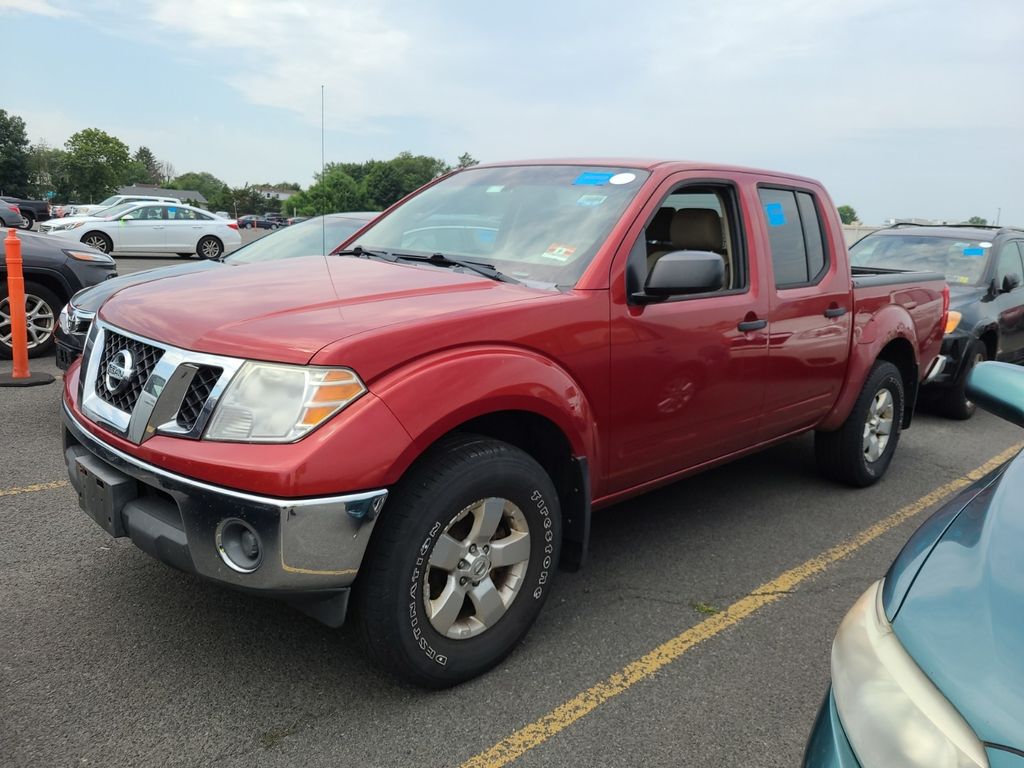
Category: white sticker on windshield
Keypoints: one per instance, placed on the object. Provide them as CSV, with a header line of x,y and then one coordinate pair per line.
x,y
622,178
985,245
495,189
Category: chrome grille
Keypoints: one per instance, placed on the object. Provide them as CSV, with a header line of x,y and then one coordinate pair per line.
x,y
169,390
198,393
145,357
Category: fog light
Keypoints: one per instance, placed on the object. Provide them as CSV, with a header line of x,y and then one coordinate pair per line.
x,y
239,545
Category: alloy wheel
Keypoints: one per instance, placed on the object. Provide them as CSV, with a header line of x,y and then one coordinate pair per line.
x,y
477,568
39,321
879,425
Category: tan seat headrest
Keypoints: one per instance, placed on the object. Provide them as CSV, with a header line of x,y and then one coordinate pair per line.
x,y
696,229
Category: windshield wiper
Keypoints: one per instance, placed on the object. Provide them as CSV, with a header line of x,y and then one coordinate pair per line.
x,y
364,253
487,270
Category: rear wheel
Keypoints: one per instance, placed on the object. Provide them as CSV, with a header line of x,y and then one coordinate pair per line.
x,y
954,402
42,307
460,563
859,452
99,241
27,220
210,248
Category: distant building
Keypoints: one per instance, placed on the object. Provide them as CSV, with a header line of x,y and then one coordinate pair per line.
x,y
924,222
275,193
185,195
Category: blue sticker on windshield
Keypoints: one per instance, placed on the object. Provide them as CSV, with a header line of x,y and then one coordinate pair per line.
x,y
974,251
486,236
592,179
775,214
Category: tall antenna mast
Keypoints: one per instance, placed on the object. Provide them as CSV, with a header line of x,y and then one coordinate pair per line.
x,y
323,165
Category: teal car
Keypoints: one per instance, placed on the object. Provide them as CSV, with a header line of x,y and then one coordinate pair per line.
x,y
928,665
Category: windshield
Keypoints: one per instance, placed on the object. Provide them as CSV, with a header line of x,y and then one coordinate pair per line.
x,y
961,260
314,237
117,210
535,223
109,202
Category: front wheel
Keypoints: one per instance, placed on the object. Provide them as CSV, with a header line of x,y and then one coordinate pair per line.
x,y
42,307
859,452
954,403
99,241
27,220
460,563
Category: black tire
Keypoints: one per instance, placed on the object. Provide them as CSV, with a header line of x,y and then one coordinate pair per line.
x,y
27,220
248,225
843,455
49,306
210,247
99,241
954,402
445,494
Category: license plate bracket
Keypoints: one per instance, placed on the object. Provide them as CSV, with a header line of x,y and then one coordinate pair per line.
x,y
103,491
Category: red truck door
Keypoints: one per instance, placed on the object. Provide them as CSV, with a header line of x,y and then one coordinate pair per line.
x,y
811,307
686,381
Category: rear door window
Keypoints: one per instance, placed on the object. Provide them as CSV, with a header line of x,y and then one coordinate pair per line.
x,y
799,255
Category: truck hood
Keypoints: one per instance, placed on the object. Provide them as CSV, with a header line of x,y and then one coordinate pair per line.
x,y
90,299
961,620
285,311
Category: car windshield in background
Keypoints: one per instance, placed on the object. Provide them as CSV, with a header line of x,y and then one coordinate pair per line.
x,y
310,238
117,210
961,260
539,224
109,201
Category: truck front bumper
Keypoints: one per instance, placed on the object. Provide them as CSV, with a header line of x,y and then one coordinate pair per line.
x,y
305,551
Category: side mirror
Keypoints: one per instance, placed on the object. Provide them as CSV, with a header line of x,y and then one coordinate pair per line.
x,y
680,273
1010,282
999,389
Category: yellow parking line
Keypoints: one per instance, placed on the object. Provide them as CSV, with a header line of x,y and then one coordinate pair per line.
x,y
33,488
539,731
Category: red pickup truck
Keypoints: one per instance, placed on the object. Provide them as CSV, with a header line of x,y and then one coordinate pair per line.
x,y
424,419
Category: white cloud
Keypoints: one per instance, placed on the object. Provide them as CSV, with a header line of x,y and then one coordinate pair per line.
x,y
38,7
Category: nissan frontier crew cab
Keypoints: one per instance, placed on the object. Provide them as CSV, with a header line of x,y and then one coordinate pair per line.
x,y
421,423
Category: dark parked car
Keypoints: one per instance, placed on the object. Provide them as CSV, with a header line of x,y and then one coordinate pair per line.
x,y
54,271
10,214
251,221
984,267
303,240
928,666
31,210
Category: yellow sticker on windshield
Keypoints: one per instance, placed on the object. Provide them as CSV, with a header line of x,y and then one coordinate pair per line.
x,y
958,279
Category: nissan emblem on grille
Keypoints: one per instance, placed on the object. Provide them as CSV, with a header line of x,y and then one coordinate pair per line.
x,y
118,375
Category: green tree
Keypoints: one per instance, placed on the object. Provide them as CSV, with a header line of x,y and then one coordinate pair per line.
x,y
977,221
47,173
847,214
97,163
205,183
384,185
466,160
334,192
14,155
149,166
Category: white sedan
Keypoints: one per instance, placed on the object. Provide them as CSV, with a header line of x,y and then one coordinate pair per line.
x,y
151,228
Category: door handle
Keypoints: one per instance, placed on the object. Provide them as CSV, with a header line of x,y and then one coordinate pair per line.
x,y
835,311
752,325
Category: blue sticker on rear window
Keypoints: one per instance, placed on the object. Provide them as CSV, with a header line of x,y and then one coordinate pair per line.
x,y
775,214
974,251
592,178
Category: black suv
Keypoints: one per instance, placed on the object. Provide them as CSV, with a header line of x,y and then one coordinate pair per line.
x,y
984,267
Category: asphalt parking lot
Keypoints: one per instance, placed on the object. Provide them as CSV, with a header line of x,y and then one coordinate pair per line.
x,y
108,657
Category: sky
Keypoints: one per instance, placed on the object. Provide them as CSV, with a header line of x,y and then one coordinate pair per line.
x,y
903,108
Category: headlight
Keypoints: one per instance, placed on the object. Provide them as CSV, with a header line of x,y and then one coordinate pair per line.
x,y
67,225
64,322
891,712
952,321
89,256
270,403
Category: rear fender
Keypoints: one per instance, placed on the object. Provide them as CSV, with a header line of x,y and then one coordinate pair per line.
x,y
436,394
889,324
